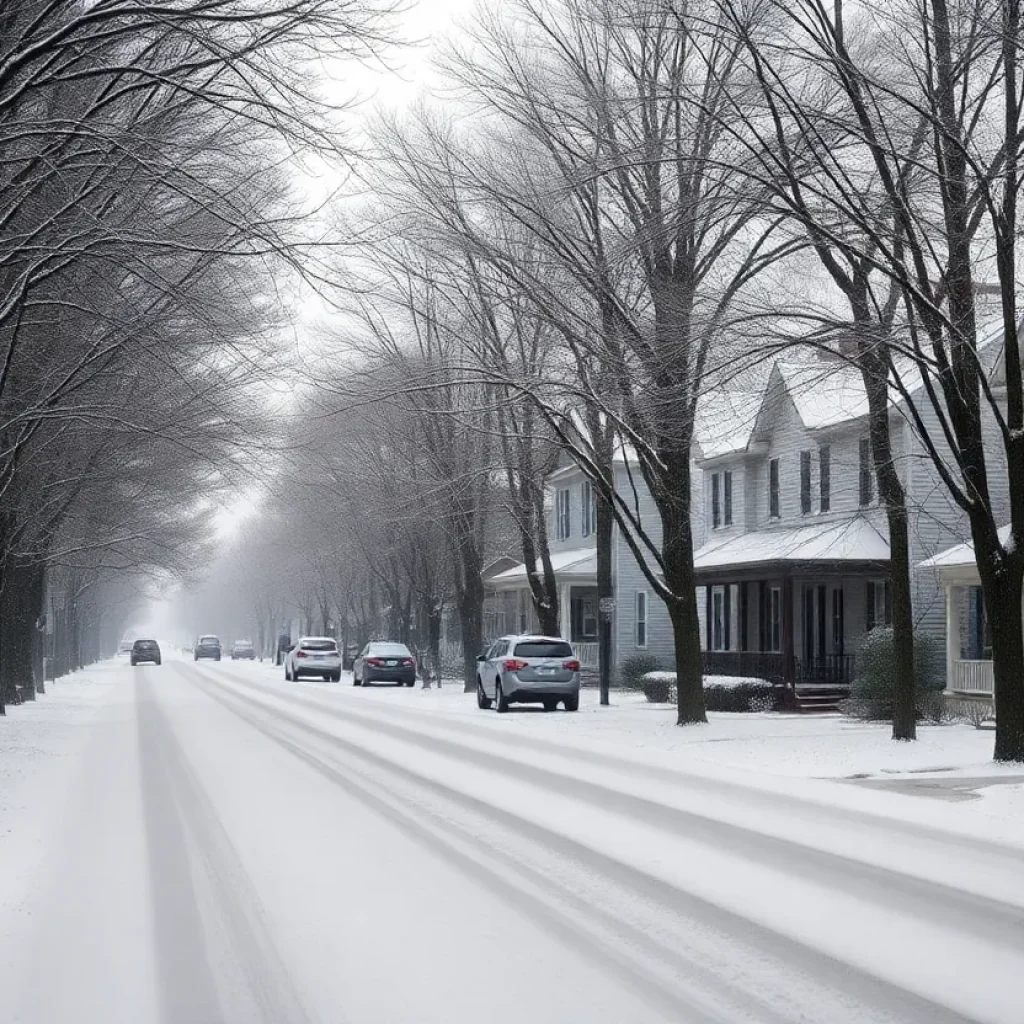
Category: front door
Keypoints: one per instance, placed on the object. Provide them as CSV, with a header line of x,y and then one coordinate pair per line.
x,y
813,622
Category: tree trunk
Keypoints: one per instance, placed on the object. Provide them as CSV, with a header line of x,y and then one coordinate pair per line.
x,y
894,498
677,555
1002,590
471,614
605,595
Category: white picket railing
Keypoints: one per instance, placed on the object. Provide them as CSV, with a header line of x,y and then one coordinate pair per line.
x,y
972,677
586,654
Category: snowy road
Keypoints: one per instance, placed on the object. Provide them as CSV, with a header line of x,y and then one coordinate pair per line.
x,y
237,849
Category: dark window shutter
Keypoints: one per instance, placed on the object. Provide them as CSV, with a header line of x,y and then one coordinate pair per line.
x,y
727,617
805,483
727,496
825,478
870,623
708,620
716,501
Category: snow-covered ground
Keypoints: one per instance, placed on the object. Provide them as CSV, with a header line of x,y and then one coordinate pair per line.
x,y
210,843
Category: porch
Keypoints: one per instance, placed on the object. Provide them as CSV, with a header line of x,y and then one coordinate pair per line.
x,y
793,605
968,633
508,605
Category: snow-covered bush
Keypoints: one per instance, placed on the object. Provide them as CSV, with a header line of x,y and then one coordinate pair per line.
x,y
739,695
973,710
871,694
721,693
659,687
633,669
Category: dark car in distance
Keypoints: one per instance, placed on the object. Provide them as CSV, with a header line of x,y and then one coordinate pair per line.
x,y
243,649
207,646
384,662
145,651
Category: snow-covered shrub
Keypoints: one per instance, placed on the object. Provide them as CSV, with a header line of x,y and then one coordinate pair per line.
x,y
871,694
739,695
659,687
973,710
633,669
721,693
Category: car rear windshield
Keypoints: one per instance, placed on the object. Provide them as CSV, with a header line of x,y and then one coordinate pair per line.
x,y
391,649
145,643
209,640
319,645
543,649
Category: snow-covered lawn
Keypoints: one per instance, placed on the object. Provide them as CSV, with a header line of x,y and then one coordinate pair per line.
x,y
800,746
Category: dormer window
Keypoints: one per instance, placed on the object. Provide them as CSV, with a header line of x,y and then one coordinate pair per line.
x,y
805,483
721,499
562,514
589,510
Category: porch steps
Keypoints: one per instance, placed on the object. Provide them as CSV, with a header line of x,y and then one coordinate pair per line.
x,y
809,699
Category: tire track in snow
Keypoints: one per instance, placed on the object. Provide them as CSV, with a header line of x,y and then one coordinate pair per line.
x,y
994,921
183,828
698,993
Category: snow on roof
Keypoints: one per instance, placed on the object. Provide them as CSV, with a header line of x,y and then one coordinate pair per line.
x,y
725,420
960,555
578,562
850,540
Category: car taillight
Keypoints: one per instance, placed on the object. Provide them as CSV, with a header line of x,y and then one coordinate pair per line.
x,y
300,654
407,662
572,666
514,665
376,662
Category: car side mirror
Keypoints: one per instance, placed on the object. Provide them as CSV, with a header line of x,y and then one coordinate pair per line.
x,y
290,647
482,657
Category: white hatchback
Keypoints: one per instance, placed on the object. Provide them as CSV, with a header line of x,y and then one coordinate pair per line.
x,y
313,656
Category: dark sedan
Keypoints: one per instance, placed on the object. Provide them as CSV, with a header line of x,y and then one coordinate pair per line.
x,y
384,662
145,651
207,646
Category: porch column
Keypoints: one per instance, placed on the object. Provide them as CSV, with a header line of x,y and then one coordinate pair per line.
x,y
788,613
565,611
952,632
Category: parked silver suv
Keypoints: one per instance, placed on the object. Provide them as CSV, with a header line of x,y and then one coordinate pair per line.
x,y
526,669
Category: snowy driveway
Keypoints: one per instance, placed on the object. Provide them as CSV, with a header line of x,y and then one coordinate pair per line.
x,y
236,849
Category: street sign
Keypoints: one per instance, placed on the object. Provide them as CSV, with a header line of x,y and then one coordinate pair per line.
x,y
607,605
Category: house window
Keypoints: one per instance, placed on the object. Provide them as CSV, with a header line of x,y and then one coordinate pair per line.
x,y
879,604
773,488
724,606
589,517
824,479
562,514
774,631
838,630
805,483
641,618
716,501
867,484
727,497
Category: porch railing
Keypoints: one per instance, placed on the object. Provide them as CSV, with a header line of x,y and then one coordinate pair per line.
x,y
831,670
752,664
972,677
586,654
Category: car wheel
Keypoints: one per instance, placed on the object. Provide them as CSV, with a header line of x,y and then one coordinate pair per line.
x,y
133,663
217,658
500,699
355,680
196,658
287,673
550,705
336,677
572,703
157,662
482,700
412,682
